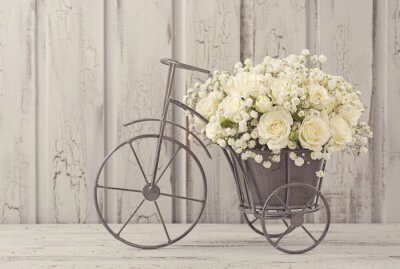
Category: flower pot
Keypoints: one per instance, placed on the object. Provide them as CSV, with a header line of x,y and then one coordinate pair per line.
x,y
261,182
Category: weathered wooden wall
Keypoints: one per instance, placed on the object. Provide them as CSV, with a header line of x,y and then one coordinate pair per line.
x,y
72,72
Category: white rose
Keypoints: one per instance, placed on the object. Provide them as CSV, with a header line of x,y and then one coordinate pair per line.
x,y
314,133
208,105
275,128
279,88
351,113
231,108
245,84
341,132
263,104
213,130
318,95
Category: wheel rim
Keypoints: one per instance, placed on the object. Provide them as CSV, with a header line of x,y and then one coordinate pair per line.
x,y
254,223
315,208
150,194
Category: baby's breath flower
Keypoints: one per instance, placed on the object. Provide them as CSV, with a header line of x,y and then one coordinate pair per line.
x,y
249,102
258,158
221,143
276,158
299,161
322,58
254,114
305,52
252,144
267,164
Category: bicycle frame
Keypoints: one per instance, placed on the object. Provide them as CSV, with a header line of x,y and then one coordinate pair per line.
x,y
173,65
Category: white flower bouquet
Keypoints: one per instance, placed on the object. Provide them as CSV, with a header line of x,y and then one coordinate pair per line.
x,y
277,104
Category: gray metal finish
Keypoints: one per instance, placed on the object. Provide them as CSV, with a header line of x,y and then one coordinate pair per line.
x,y
151,193
284,192
294,215
151,190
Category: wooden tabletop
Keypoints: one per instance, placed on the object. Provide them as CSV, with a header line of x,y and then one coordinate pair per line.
x,y
363,246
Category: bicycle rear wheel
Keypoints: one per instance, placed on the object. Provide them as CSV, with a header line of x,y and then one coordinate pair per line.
x,y
147,212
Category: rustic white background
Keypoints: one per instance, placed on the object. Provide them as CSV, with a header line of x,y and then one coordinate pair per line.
x,y
73,71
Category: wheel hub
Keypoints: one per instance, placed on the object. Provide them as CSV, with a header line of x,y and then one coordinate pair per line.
x,y
151,192
297,220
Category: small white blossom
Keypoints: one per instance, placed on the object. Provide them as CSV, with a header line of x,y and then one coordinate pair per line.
x,y
267,164
252,144
299,161
322,58
249,102
221,143
258,158
254,114
305,52
319,173
276,158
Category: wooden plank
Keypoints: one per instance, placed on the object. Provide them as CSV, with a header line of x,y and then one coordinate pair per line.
x,y
276,35
17,112
138,34
266,32
392,183
386,154
345,37
72,104
211,39
208,246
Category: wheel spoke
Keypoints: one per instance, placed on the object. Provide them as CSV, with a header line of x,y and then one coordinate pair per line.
x,y
169,163
182,197
118,189
134,212
140,165
162,221
286,224
312,237
282,202
289,229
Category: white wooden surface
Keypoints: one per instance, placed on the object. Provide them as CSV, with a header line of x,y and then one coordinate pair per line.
x,y
135,87
72,72
345,37
71,105
212,40
17,112
207,246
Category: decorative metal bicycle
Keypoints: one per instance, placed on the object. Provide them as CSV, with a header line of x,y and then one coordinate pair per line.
x,y
277,204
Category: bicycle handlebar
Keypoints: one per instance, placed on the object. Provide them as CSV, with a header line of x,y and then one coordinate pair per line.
x,y
168,61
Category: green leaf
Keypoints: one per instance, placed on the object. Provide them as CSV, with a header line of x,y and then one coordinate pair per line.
x,y
297,118
227,123
293,136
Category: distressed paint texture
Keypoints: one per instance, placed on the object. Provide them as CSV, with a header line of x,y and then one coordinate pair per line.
x,y
72,72
345,37
212,40
17,112
386,148
73,108
138,35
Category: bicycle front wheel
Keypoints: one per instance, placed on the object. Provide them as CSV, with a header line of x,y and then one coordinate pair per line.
x,y
146,213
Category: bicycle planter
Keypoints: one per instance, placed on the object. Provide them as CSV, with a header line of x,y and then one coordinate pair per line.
x,y
284,195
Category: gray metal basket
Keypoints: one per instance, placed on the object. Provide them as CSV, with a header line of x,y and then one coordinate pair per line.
x,y
261,182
